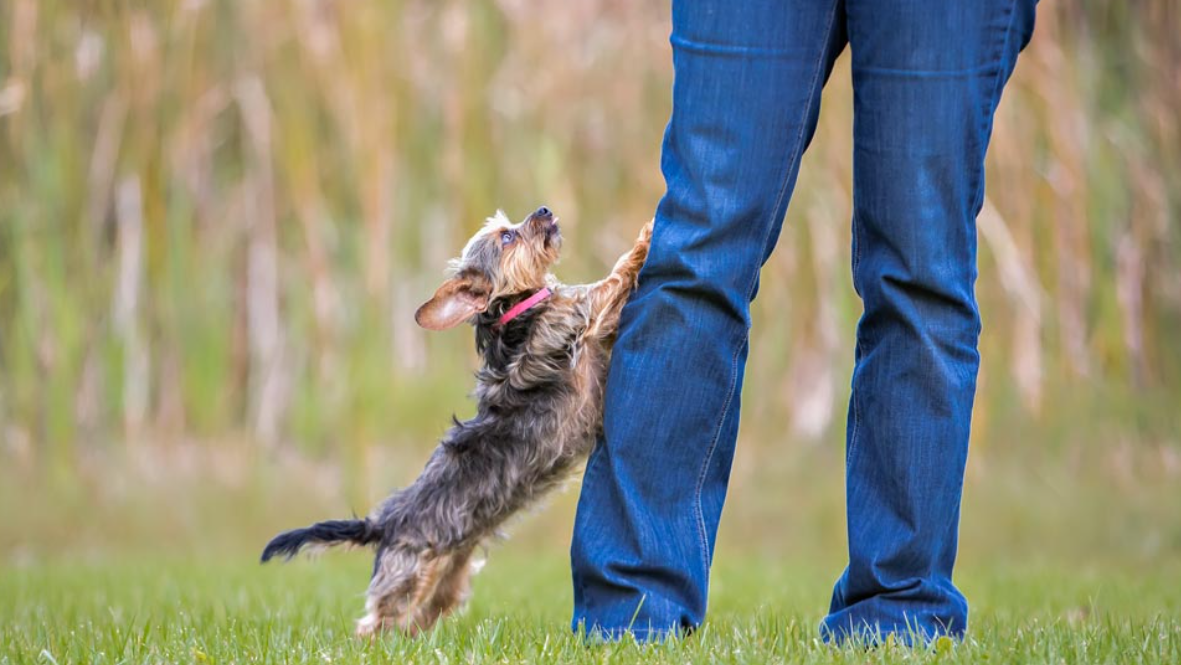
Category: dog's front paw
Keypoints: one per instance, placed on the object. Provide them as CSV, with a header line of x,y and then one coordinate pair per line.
x,y
646,232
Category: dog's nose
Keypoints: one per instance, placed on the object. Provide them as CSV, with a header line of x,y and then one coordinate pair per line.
x,y
543,213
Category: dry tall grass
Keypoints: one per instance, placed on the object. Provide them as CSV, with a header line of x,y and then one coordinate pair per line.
x,y
218,217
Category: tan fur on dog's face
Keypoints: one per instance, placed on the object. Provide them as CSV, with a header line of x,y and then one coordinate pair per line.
x,y
501,259
514,257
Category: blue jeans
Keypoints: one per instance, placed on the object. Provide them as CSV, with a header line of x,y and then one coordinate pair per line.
x,y
927,77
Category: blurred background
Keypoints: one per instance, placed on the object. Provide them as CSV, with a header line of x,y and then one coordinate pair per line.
x,y
217,218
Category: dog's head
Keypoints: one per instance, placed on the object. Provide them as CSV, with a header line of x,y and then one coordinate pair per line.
x,y
502,259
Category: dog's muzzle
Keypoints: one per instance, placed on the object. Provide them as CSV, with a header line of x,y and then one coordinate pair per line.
x,y
547,223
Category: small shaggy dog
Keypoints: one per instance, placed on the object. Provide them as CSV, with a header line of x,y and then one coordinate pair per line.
x,y
545,348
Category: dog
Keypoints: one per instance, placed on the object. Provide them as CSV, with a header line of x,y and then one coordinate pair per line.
x,y
545,348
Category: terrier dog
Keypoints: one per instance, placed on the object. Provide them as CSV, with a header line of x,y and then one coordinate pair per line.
x,y
545,348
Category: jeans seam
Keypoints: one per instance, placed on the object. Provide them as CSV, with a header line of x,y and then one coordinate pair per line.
x,y
852,445
749,293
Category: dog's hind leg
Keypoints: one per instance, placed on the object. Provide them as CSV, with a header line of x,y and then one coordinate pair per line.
x,y
403,584
412,620
452,590
396,576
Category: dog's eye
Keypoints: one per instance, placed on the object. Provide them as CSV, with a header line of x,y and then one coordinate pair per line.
x,y
507,236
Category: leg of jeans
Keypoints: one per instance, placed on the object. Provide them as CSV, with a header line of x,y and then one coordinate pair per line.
x,y
927,76
745,100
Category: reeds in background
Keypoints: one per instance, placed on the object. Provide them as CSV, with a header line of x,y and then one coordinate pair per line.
x,y
217,218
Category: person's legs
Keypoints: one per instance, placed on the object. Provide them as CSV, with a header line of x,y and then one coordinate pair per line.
x,y
927,76
745,99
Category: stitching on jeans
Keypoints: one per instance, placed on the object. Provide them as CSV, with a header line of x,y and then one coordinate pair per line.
x,y
852,445
795,153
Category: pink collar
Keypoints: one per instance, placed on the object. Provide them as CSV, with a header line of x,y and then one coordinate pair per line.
x,y
523,306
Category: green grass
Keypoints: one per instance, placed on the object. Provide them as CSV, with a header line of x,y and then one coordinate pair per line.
x,y
232,610
1064,558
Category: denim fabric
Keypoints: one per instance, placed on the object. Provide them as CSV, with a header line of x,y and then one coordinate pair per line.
x,y
927,76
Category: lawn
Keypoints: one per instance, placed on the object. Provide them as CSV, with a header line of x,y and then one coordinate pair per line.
x,y
225,610
1063,562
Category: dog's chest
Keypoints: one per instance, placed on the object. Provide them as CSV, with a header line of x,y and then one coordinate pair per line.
x,y
557,373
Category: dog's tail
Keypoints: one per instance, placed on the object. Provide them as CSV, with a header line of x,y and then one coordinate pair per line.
x,y
322,534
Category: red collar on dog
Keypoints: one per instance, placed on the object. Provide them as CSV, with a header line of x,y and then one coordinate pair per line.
x,y
524,306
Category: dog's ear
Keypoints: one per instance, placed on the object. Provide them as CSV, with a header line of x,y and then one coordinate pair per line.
x,y
456,301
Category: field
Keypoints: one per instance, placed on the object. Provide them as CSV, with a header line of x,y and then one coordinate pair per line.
x,y
1062,562
186,610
